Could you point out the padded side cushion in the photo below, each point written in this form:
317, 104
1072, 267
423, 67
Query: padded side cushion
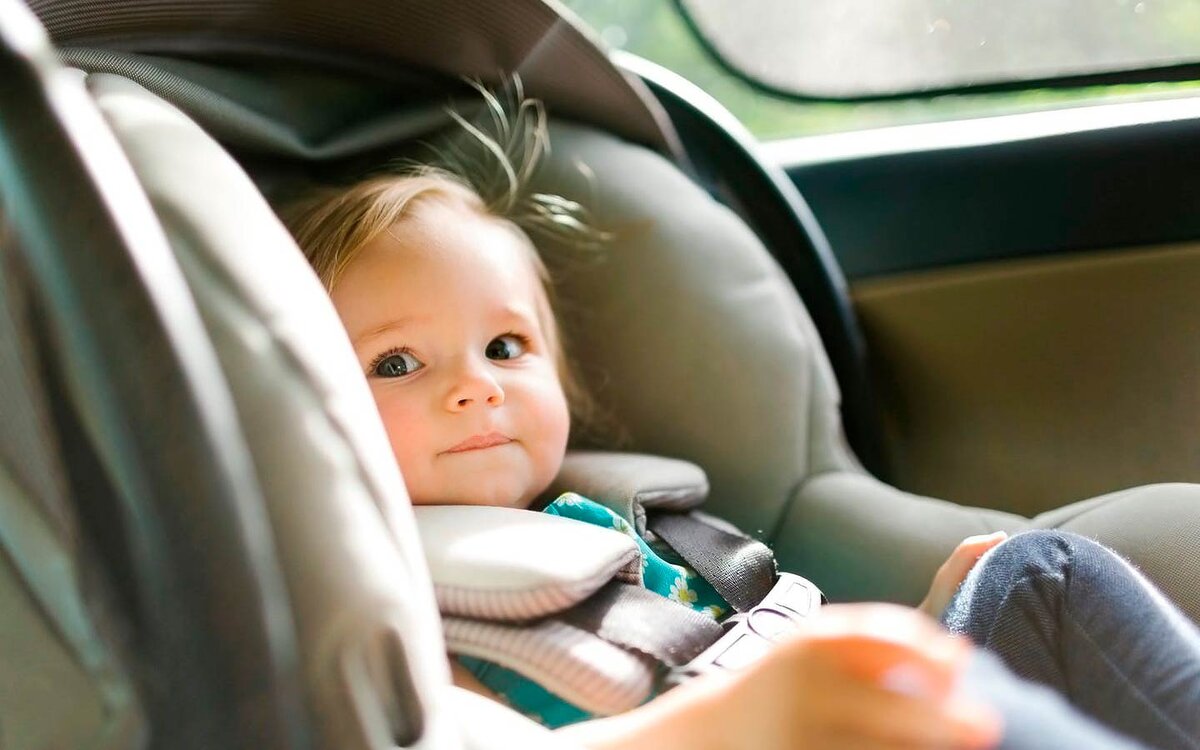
686, 330
630, 483
510, 564
357, 581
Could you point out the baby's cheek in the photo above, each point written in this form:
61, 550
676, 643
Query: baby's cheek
554, 425
406, 431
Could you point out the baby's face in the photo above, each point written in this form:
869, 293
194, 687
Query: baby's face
443, 311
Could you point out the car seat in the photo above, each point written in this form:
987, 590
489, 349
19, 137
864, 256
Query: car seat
685, 329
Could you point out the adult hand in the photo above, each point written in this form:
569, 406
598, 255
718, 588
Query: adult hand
950, 576
870, 676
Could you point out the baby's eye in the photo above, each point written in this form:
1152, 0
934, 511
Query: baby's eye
395, 365
508, 346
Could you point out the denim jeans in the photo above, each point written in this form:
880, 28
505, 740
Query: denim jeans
1105, 660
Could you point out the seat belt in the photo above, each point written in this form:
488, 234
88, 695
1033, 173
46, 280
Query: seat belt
633, 617
603, 655
740, 568
606, 651
583, 653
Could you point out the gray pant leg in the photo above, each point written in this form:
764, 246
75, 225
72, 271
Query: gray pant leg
1064, 611
1036, 717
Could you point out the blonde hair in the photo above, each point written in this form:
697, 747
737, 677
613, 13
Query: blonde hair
333, 224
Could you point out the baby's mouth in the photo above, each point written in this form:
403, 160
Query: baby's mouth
480, 442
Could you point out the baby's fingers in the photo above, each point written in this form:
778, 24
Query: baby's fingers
873, 676
952, 572
968, 553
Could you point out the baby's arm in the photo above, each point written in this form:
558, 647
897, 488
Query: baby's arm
863, 676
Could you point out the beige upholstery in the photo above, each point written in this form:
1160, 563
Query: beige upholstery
52, 652
689, 332
863, 539
1020, 384
687, 329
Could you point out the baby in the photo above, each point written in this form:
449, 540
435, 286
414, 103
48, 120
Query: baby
449, 310
448, 307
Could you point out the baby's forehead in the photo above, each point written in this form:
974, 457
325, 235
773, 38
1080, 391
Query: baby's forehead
440, 208
448, 253
454, 233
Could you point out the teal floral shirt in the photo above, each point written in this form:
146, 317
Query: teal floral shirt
663, 572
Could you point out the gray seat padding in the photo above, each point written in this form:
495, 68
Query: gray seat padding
689, 332
684, 328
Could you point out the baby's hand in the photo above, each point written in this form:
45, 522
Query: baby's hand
862, 676
950, 576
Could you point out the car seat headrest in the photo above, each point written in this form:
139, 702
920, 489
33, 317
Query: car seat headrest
687, 330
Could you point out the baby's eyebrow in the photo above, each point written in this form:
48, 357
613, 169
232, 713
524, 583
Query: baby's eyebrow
386, 327
518, 313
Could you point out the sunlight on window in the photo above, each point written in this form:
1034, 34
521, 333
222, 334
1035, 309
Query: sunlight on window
656, 30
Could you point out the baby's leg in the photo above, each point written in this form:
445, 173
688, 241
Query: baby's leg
1036, 717
1064, 611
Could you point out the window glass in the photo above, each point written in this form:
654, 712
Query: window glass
849, 48
657, 31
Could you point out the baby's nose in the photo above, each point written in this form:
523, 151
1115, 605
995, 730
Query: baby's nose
475, 385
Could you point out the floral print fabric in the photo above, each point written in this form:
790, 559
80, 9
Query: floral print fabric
663, 572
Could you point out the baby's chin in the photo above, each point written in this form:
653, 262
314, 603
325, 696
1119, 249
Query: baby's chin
493, 480
492, 496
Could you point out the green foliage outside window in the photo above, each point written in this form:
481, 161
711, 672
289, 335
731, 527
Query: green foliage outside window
654, 29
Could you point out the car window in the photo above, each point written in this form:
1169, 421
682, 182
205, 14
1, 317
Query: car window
865, 48
657, 30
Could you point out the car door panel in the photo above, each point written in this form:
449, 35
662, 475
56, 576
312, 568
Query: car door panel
1022, 385
1030, 308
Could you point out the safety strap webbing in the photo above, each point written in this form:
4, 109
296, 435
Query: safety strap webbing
740, 568
633, 617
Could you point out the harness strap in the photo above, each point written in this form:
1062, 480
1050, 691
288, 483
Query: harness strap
740, 568
635, 618
575, 665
